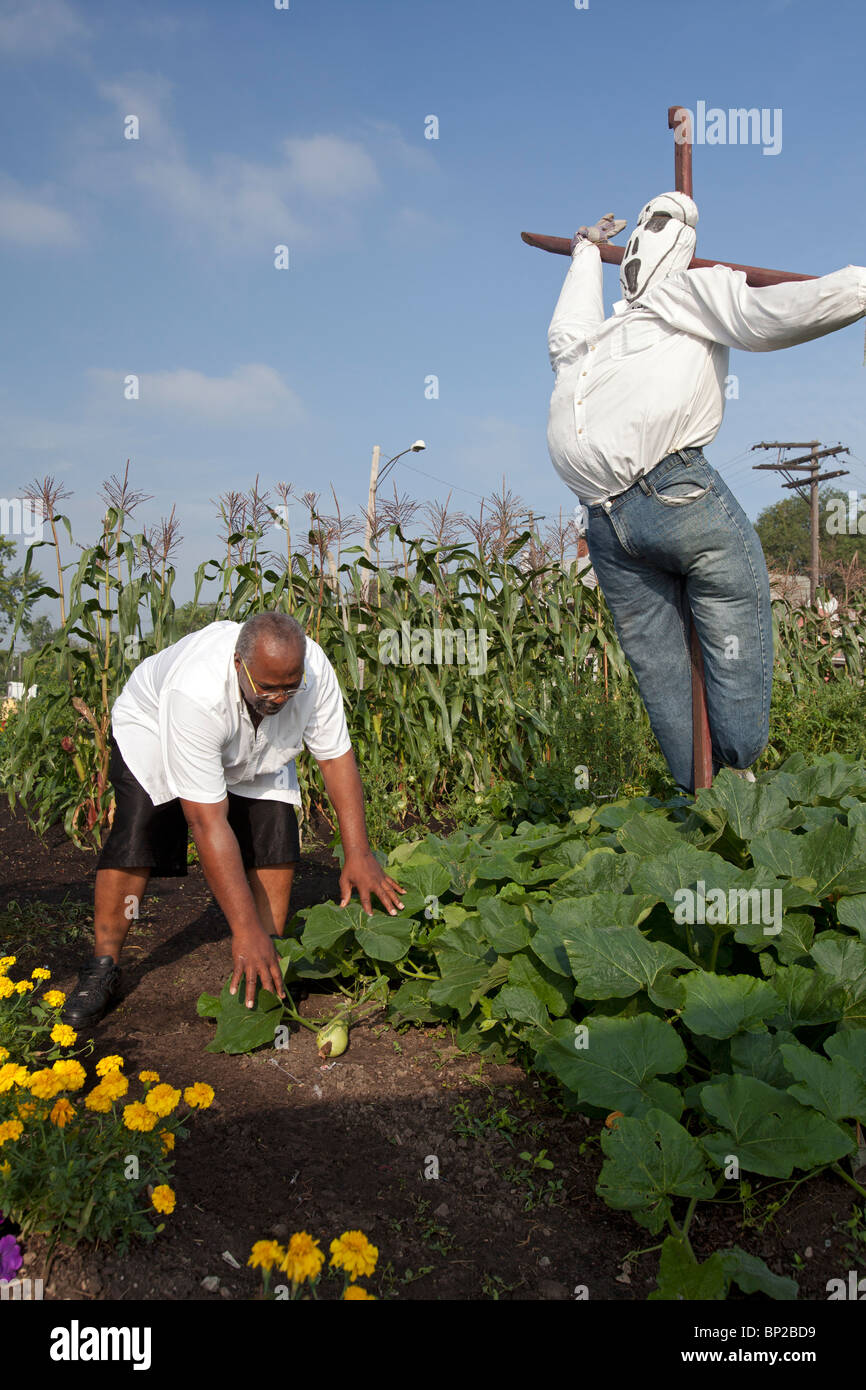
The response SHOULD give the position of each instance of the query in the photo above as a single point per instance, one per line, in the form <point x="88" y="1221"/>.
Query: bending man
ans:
<point x="205" y="735"/>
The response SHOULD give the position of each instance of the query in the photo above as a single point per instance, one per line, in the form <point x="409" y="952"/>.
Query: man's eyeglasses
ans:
<point x="288" y="691"/>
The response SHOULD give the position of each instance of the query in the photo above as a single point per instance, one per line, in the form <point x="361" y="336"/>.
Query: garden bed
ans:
<point x="302" y="1146"/>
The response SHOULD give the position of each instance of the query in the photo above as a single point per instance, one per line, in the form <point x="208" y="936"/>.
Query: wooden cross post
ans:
<point x="679" y="120"/>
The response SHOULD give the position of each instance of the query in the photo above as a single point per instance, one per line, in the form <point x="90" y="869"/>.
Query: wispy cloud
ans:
<point x="307" y="193"/>
<point x="254" y="391"/>
<point x="38" y="26"/>
<point x="31" y="219"/>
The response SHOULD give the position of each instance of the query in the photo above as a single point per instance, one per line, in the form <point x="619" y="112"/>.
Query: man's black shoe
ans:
<point x="98" y="987"/>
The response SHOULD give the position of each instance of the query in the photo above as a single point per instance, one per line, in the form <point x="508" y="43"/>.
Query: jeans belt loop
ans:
<point x="644" y="486"/>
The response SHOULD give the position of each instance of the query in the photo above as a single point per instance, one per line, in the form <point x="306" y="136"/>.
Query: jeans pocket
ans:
<point x="681" y="486"/>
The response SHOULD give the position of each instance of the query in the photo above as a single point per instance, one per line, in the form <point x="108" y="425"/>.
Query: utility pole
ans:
<point x="809" y="463"/>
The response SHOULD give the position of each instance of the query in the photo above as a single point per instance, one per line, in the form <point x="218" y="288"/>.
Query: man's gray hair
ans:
<point x="280" y="628"/>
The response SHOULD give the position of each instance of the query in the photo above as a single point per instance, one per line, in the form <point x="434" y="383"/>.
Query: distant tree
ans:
<point x="783" y="530"/>
<point x="190" y="617"/>
<point x="14" y="588"/>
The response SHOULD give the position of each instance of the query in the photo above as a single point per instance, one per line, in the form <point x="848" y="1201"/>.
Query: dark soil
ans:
<point x="292" y="1144"/>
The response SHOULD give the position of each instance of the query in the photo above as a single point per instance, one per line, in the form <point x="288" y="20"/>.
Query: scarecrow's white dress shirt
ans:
<point x="651" y="379"/>
<point x="184" y="729"/>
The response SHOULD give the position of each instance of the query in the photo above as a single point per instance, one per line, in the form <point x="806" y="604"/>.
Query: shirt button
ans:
<point x="580" y="431"/>
<point x="580" y="402"/>
<point x="606" y="506"/>
<point x="592" y="349"/>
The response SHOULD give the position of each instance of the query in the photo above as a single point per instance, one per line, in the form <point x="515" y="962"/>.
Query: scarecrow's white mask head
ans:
<point x="663" y="241"/>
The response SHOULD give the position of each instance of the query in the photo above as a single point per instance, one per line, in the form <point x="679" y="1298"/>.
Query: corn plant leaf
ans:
<point x="767" y="1130"/>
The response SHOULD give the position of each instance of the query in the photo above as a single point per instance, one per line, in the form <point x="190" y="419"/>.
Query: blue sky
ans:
<point x="306" y="127"/>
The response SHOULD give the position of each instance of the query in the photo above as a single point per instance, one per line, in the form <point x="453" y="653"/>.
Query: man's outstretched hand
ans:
<point x="253" y="955"/>
<point x="364" y="872"/>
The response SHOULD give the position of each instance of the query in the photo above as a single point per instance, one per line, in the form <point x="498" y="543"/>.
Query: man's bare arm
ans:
<point x="253" y="952"/>
<point x="361" y="868"/>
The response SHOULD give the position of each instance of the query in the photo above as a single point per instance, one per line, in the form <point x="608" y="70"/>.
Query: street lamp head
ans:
<point x="418" y="446"/>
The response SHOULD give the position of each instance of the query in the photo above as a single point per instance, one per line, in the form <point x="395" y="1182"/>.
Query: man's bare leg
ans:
<point x="271" y="889"/>
<point x="116" y="902"/>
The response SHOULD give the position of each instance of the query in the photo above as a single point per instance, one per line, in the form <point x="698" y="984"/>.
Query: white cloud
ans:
<point x="232" y="202"/>
<point x="38" y="26"/>
<point x="252" y="392"/>
<point x="27" y="219"/>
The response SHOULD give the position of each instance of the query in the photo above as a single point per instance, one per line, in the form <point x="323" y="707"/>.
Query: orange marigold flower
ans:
<point x="62" y="1112"/>
<point x="98" y="1100"/>
<point x="10" y="1129"/>
<point x="107" y="1064"/>
<point x="162" y="1099"/>
<point x="163" y="1198"/>
<point x="137" y="1116"/>
<point x="354" y="1253"/>
<point x="45" y="1084"/>
<point x="71" y="1073"/>
<point x="199" y="1095"/>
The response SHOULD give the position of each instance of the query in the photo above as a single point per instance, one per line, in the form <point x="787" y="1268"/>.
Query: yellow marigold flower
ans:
<point x="4" y="1053"/>
<point x="162" y="1099"/>
<point x="165" y="1135"/>
<point x="23" y="986"/>
<point x="10" y="1129"/>
<point x="266" y="1254"/>
<point x="5" y="1169"/>
<point x="54" y="998"/>
<point x="62" y="1112"/>
<point x="40" y="973"/>
<point x="71" y="1073"/>
<point x="45" y="1084"/>
<point x="304" y="1259"/>
<point x="64" y="1035"/>
<point x="6" y="962"/>
<point x="12" y="1074"/>
<point x="114" y="1085"/>
<point x="98" y="1100"/>
<point x="163" y="1198"/>
<point x="148" y="1076"/>
<point x="6" y="987"/>
<point x="137" y="1116"/>
<point x="27" y="1109"/>
<point x="354" y="1253"/>
<point x="354" y="1292"/>
<point x="107" y="1064"/>
<point x="199" y="1095"/>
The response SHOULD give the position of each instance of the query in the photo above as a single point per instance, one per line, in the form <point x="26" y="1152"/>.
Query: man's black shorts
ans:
<point x="156" y="837"/>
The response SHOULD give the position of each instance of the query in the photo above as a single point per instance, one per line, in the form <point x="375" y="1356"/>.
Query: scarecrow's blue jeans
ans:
<point x="678" y="539"/>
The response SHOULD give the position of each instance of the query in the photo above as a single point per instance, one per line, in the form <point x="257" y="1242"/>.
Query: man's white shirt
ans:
<point x="184" y="729"/>
<point x="633" y="388"/>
